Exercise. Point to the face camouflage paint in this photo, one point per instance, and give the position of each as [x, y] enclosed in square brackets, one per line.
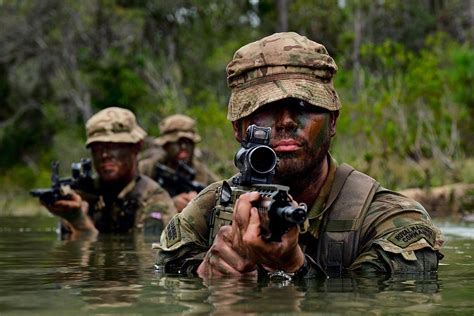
[180, 150]
[300, 134]
[113, 161]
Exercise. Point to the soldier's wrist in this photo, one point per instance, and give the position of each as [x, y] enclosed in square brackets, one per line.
[291, 263]
[73, 215]
[298, 274]
[301, 272]
[78, 217]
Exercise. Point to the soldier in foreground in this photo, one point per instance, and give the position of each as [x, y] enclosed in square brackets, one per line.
[120, 200]
[284, 82]
[173, 163]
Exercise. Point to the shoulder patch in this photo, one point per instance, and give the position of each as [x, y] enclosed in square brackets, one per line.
[173, 232]
[411, 234]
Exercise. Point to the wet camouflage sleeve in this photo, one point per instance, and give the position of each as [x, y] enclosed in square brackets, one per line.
[157, 208]
[398, 236]
[185, 239]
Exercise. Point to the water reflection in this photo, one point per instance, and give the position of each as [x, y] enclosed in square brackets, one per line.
[189, 295]
[111, 267]
[114, 275]
[338, 295]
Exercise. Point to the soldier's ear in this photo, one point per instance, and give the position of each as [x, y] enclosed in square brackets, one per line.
[333, 115]
[237, 127]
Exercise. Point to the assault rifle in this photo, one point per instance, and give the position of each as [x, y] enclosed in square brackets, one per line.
[179, 181]
[81, 177]
[257, 162]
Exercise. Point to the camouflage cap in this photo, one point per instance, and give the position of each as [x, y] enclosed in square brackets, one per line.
[115, 125]
[175, 127]
[279, 66]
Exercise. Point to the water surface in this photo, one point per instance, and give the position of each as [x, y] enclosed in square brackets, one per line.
[43, 275]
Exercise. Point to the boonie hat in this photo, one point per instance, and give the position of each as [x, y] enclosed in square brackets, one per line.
[279, 66]
[115, 125]
[175, 127]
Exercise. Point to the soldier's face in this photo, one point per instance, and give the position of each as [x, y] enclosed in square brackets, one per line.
[301, 135]
[114, 161]
[180, 150]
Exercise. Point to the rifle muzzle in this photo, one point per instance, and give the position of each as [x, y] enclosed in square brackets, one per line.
[295, 215]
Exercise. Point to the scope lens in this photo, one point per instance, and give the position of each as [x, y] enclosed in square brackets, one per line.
[262, 159]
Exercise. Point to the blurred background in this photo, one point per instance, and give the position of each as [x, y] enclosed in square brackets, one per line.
[405, 79]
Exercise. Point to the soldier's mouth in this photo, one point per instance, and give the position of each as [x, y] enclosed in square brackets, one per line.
[182, 155]
[107, 165]
[287, 145]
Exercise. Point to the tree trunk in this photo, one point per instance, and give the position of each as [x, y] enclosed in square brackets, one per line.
[282, 11]
[356, 74]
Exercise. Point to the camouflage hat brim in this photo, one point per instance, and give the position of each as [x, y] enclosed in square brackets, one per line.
[173, 137]
[109, 136]
[246, 100]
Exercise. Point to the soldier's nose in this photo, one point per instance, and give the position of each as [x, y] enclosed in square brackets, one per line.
[285, 122]
[105, 154]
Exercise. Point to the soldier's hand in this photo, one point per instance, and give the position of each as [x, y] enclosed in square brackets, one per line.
[69, 209]
[221, 259]
[285, 255]
[74, 214]
[181, 200]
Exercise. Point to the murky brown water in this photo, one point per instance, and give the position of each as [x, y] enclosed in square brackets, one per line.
[41, 274]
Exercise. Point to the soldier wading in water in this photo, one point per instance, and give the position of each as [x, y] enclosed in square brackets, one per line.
[119, 200]
[285, 81]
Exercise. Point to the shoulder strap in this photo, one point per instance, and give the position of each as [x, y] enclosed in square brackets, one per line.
[348, 202]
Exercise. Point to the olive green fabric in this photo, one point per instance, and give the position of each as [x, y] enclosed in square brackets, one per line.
[394, 227]
[279, 66]
[115, 125]
[177, 126]
[141, 205]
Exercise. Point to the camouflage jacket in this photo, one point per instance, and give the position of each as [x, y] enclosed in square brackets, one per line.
[141, 206]
[156, 155]
[396, 234]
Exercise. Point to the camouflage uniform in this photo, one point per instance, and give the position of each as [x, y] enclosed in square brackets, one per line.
[142, 204]
[388, 233]
[172, 129]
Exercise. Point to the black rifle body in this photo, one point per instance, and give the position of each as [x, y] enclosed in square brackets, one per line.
[257, 162]
[81, 177]
[179, 181]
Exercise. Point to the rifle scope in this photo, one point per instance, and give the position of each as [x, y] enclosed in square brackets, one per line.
[261, 159]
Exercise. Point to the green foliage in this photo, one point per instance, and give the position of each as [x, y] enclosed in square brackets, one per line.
[219, 145]
[407, 109]
[407, 93]
[460, 76]
[116, 80]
